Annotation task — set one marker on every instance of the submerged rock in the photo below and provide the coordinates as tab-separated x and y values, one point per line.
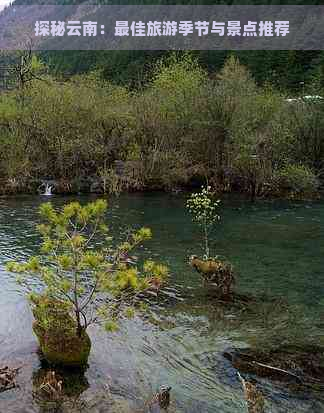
291	364
57	334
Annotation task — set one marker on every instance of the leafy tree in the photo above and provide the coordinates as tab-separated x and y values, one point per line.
81	267
307	126
166	110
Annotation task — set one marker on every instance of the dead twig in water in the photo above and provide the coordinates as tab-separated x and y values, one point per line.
254	398
277	369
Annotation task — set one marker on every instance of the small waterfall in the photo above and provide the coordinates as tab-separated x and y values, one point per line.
48	190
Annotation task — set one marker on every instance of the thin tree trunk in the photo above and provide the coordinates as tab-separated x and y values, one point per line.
206	240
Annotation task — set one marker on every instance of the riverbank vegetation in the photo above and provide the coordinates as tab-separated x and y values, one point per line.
87	134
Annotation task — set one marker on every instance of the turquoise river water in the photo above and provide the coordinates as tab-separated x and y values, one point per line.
277	249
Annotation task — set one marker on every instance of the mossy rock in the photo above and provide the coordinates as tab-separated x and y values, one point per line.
56	331
216	273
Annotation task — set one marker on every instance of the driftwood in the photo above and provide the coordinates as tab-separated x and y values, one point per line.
161	399
7	378
278	370
254	398
50	389
53	391
51	385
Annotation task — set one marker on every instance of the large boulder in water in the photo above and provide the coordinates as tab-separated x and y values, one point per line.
56	331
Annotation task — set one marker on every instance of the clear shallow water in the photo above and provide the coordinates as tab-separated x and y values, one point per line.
277	249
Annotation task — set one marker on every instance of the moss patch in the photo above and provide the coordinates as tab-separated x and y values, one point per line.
57	334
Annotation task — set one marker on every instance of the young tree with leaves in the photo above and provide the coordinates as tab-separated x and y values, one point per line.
81	268
203	208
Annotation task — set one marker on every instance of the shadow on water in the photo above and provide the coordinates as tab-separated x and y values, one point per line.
275	249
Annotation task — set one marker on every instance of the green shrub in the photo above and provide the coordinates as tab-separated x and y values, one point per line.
297	180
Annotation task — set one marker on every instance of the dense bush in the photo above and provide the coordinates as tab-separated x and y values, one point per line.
295	180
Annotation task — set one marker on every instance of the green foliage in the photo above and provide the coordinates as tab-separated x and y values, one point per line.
182	127
297	180
203	208
84	117
306	122
81	269
136	67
